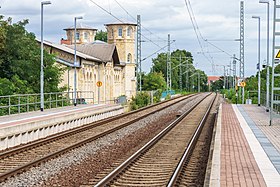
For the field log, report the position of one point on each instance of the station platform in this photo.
(22, 128)
(246, 150)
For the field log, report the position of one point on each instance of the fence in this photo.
(20, 103)
(254, 96)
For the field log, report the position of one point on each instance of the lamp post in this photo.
(267, 64)
(75, 59)
(259, 62)
(42, 59)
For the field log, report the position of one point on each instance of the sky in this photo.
(217, 22)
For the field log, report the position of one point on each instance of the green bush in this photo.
(140, 100)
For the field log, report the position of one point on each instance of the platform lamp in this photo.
(75, 59)
(42, 59)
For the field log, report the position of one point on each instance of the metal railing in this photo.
(254, 95)
(19, 103)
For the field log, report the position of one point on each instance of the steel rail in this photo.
(146, 147)
(190, 146)
(76, 130)
(50, 156)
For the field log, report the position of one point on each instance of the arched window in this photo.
(129, 58)
(129, 30)
(86, 34)
(77, 36)
(120, 32)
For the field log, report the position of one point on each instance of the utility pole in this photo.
(180, 78)
(234, 71)
(138, 55)
(225, 78)
(168, 65)
(187, 77)
(198, 81)
(241, 72)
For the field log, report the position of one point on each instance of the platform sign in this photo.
(243, 84)
(239, 82)
(278, 54)
(99, 83)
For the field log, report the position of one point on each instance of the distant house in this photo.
(211, 80)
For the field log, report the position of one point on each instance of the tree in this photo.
(159, 65)
(20, 61)
(101, 35)
(217, 85)
(154, 81)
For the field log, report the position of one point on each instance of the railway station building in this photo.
(110, 63)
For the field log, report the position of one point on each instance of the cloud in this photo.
(218, 20)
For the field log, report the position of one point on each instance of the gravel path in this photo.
(83, 163)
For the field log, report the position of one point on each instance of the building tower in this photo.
(85, 34)
(123, 36)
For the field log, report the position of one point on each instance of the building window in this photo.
(129, 57)
(77, 36)
(129, 31)
(86, 36)
(120, 32)
(112, 32)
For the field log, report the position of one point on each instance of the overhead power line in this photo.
(136, 20)
(123, 22)
(197, 31)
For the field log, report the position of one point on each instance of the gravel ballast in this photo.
(80, 165)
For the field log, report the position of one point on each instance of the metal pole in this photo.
(242, 76)
(42, 58)
(169, 84)
(180, 74)
(259, 63)
(138, 55)
(75, 60)
(273, 65)
(68, 89)
(98, 76)
(198, 82)
(234, 71)
(267, 73)
(267, 58)
(224, 76)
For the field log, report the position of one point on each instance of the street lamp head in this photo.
(257, 17)
(79, 17)
(264, 1)
(46, 3)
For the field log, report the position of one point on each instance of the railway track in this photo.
(155, 163)
(18, 160)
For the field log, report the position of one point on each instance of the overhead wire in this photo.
(197, 32)
(136, 20)
(121, 21)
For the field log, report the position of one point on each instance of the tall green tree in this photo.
(20, 61)
(180, 59)
(101, 35)
(154, 81)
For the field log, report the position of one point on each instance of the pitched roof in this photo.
(71, 51)
(104, 51)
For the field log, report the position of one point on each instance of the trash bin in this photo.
(249, 101)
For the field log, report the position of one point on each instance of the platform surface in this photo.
(246, 148)
(17, 119)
